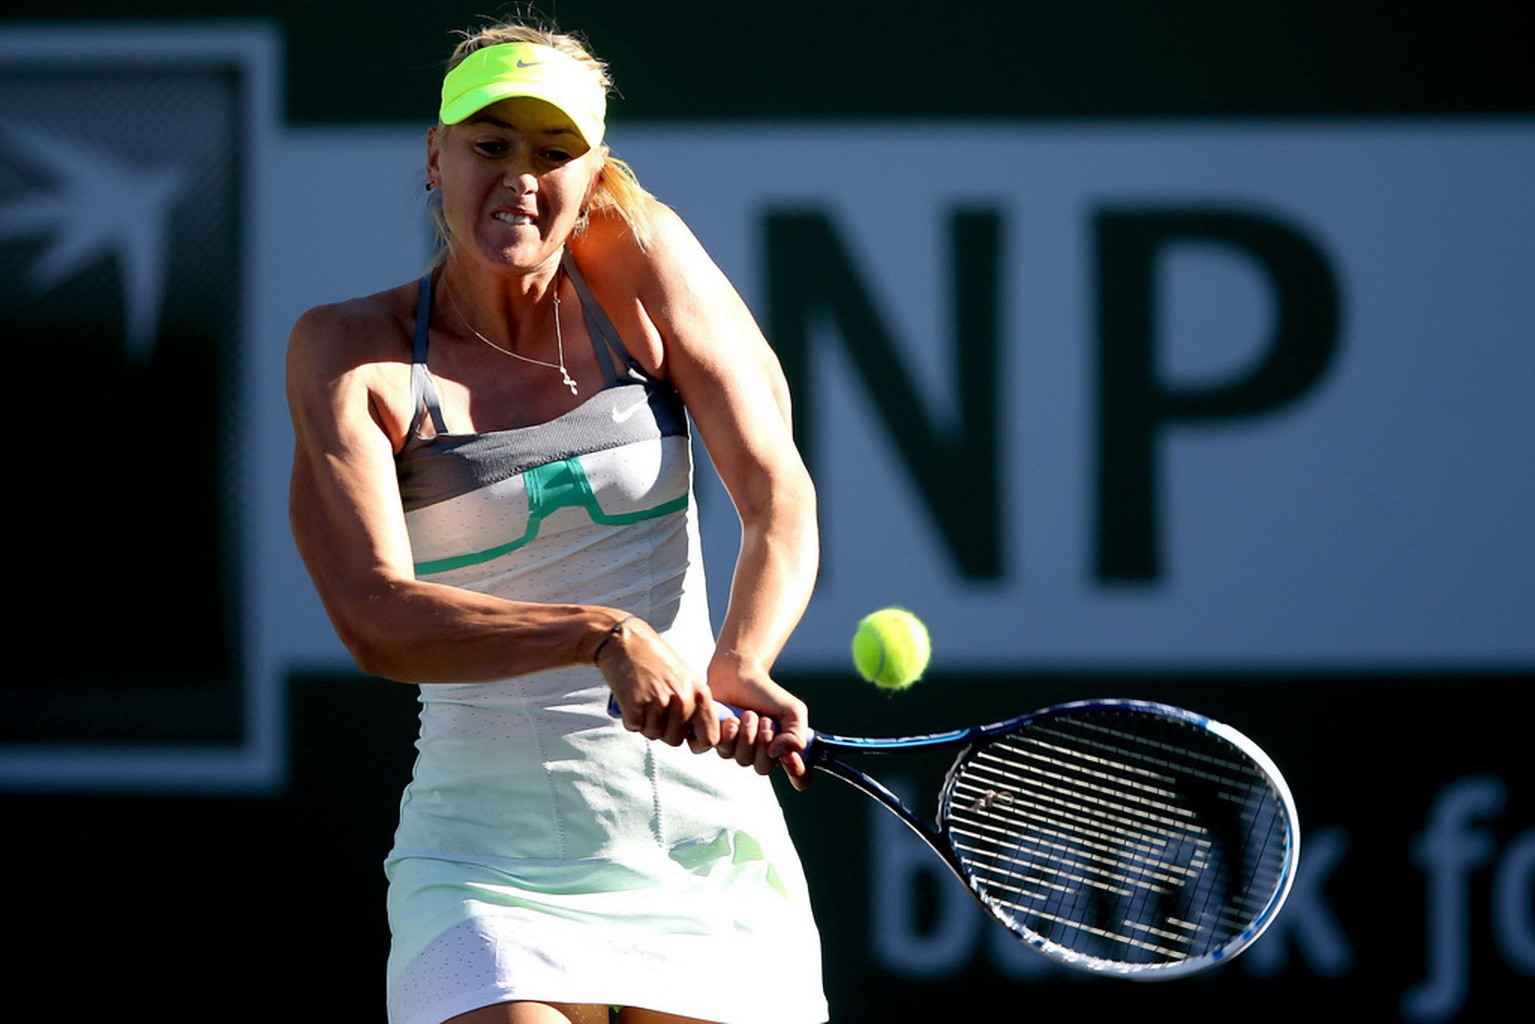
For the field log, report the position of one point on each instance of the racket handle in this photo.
(814, 752)
(722, 711)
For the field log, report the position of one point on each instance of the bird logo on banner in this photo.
(95, 206)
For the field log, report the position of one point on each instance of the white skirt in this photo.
(546, 854)
(697, 944)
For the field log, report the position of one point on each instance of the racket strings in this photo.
(1094, 795)
(1122, 837)
(1110, 874)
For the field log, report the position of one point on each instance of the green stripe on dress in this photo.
(552, 487)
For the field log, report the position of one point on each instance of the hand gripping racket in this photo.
(1122, 837)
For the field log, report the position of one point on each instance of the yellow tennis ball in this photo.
(891, 648)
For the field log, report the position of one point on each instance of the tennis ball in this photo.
(891, 648)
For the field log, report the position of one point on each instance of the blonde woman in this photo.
(492, 492)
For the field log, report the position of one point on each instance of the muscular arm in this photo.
(733, 386)
(350, 530)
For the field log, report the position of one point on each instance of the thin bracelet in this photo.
(611, 633)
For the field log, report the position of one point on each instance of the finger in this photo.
(763, 759)
(704, 731)
(788, 741)
(794, 767)
(674, 728)
(746, 741)
(730, 730)
(631, 719)
(654, 726)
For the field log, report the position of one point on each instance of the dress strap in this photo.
(604, 335)
(423, 393)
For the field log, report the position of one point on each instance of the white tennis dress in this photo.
(544, 852)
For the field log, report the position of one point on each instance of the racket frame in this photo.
(821, 755)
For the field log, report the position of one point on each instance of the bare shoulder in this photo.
(352, 359)
(696, 329)
(341, 335)
(670, 255)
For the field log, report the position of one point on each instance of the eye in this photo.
(556, 155)
(490, 147)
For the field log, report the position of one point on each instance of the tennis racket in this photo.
(1122, 837)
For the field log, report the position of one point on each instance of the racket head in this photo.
(1123, 837)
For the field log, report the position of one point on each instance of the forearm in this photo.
(774, 576)
(419, 632)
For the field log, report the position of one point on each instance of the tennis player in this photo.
(492, 492)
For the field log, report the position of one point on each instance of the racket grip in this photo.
(722, 711)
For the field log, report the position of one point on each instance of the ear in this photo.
(433, 151)
(602, 168)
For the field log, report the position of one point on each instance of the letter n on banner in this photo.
(954, 465)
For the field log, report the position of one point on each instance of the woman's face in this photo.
(514, 179)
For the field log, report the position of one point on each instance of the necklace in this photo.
(559, 339)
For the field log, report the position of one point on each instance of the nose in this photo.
(518, 171)
(519, 178)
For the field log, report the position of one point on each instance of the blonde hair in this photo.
(618, 189)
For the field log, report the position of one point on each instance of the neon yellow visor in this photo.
(494, 73)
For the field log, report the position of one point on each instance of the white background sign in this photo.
(1380, 519)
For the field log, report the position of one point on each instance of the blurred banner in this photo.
(1172, 395)
(130, 163)
(1230, 414)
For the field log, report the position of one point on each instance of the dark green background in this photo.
(1035, 58)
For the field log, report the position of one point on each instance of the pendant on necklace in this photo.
(568, 382)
